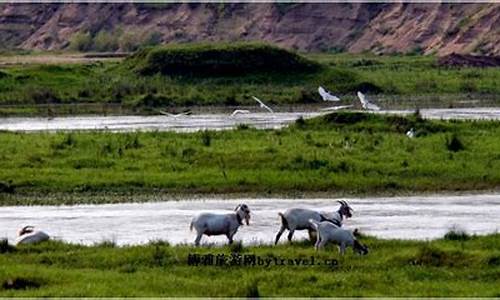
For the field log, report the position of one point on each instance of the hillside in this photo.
(353, 27)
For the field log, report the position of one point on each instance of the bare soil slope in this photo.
(355, 27)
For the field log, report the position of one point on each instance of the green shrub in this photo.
(456, 235)
(219, 60)
(454, 144)
(81, 41)
(105, 42)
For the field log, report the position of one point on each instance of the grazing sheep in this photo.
(220, 224)
(328, 232)
(28, 235)
(298, 219)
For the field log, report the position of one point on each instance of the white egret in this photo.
(335, 108)
(262, 104)
(326, 95)
(240, 111)
(182, 114)
(411, 133)
(367, 104)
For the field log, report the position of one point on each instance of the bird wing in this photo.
(165, 113)
(362, 99)
(372, 106)
(262, 104)
(334, 108)
(326, 95)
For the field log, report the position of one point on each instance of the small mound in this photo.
(219, 60)
(467, 60)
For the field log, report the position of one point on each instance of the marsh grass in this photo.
(339, 153)
(438, 268)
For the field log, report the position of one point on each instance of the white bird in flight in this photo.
(334, 108)
(240, 111)
(326, 95)
(262, 104)
(186, 113)
(367, 104)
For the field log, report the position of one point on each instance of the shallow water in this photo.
(216, 121)
(150, 123)
(416, 217)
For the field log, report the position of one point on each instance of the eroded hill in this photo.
(354, 27)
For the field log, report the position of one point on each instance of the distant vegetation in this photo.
(216, 60)
(228, 75)
(442, 268)
(338, 154)
(109, 41)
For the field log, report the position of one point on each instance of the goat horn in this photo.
(236, 209)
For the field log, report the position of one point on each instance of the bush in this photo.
(454, 144)
(42, 95)
(456, 234)
(105, 42)
(219, 60)
(130, 42)
(81, 42)
(7, 187)
(206, 138)
(5, 247)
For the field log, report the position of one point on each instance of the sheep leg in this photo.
(198, 238)
(278, 236)
(290, 235)
(312, 235)
(230, 238)
(342, 248)
(318, 241)
(321, 244)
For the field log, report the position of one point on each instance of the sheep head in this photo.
(345, 209)
(243, 212)
(25, 230)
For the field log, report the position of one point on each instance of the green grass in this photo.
(399, 81)
(340, 153)
(440, 268)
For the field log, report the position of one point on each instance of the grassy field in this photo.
(339, 154)
(457, 266)
(37, 88)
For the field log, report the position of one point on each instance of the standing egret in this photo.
(326, 95)
(411, 133)
(367, 104)
(262, 104)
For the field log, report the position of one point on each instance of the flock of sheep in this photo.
(322, 227)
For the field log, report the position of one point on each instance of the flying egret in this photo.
(411, 133)
(326, 95)
(367, 104)
(262, 104)
(334, 108)
(186, 113)
(240, 111)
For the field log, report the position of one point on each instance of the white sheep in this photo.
(220, 224)
(28, 235)
(298, 219)
(328, 232)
